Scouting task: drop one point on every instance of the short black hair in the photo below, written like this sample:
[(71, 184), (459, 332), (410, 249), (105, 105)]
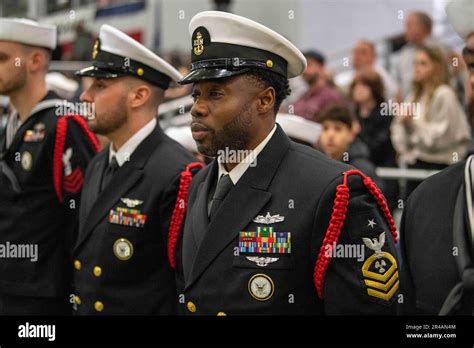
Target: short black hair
[(337, 112), (280, 84), (316, 55)]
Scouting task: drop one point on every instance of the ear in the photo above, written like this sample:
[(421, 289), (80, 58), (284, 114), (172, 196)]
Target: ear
[(266, 100), (139, 96), (36, 61)]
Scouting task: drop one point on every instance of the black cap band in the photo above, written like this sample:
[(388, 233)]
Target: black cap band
[(236, 57)]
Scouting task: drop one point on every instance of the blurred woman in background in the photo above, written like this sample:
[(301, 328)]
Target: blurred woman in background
[(435, 133), (367, 92)]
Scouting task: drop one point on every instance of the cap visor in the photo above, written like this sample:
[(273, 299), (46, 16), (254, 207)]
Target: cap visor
[(209, 74), (93, 71)]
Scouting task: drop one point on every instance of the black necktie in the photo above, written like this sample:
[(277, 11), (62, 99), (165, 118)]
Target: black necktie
[(109, 173), (223, 187)]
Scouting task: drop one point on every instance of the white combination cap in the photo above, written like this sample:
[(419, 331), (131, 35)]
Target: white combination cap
[(225, 44), (116, 54), (299, 128), (461, 16)]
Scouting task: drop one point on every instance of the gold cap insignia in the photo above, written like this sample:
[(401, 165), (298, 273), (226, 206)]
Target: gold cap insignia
[(198, 44), (95, 49)]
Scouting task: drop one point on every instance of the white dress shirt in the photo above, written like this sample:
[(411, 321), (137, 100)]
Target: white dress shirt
[(125, 152)]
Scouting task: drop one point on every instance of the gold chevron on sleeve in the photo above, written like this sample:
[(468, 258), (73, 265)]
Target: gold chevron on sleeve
[(384, 296), (381, 285)]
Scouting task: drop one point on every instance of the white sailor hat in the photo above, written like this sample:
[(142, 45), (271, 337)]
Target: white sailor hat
[(299, 128), (183, 136), (116, 54), (28, 32), (461, 16), (225, 44)]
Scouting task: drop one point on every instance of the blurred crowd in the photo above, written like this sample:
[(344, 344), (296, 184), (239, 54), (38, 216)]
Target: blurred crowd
[(418, 115)]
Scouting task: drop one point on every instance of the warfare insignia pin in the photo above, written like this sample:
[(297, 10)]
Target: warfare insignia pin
[(268, 219), (26, 161), (261, 287), (123, 249), (262, 261), (131, 203), (380, 270)]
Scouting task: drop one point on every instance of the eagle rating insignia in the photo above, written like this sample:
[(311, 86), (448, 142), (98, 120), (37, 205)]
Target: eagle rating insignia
[(380, 270)]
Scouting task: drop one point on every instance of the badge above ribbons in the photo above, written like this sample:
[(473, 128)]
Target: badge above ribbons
[(380, 270)]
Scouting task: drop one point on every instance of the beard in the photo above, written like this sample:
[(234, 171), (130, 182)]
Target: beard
[(16, 82), (109, 120), (233, 136)]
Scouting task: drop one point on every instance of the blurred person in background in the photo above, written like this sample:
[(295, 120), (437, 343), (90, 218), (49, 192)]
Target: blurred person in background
[(439, 279), (339, 142), (367, 94), (320, 94), (82, 47), (177, 91), (435, 133), (418, 27), (364, 57)]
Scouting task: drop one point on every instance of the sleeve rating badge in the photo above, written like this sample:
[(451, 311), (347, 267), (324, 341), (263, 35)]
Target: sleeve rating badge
[(380, 270)]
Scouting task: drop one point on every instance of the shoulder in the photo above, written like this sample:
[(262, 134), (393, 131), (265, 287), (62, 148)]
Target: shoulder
[(436, 187), (169, 157), (444, 92), (312, 167)]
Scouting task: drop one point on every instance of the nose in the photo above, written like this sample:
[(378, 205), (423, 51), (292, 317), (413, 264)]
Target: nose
[(199, 109), (86, 96)]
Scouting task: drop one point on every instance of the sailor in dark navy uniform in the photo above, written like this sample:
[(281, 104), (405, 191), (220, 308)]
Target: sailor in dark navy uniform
[(43, 157), (273, 227), (134, 196), (437, 230)]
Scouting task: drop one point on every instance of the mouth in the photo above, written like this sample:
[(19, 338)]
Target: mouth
[(199, 131)]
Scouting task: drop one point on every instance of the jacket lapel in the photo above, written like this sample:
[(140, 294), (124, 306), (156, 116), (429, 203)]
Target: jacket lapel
[(242, 204), (90, 191), (198, 221), (123, 180)]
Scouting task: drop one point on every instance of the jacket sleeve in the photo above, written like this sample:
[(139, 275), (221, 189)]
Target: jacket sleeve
[(356, 272), (72, 162), (407, 289)]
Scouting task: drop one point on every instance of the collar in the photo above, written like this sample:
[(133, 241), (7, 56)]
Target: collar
[(51, 100), (240, 169), (127, 149)]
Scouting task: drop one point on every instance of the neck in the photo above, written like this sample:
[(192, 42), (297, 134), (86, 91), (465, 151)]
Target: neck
[(26, 98), (318, 84), (336, 155), (366, 107), (427, 86), (251, 146), (128, 130)]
